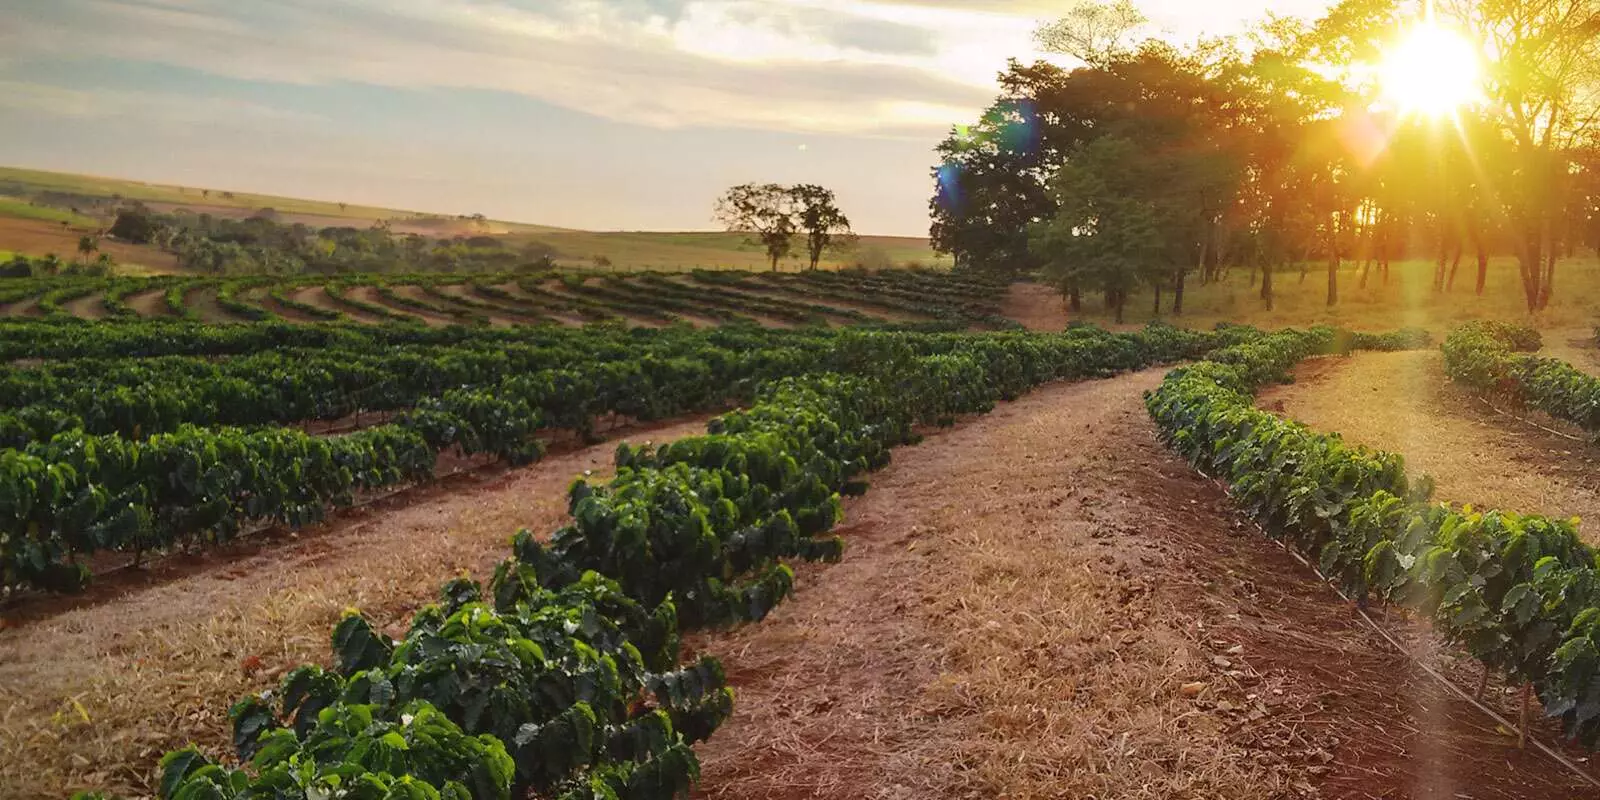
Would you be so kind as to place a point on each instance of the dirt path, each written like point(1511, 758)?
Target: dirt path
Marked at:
point(501, 316)
point(1020, 607)
point(152, 303)
point(260, 296)
point(27, 307)
point(203, 299)
point(1036, 306)
point(91, 697)
point(1575, 346)
point(1402, 402)
point(89, 306)
point(570, 319)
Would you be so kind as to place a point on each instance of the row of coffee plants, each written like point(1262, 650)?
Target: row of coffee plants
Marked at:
point(71, 493)
point(140, 397)
point(76, 493)
point(1495, 358)
point(561, 679)
point(957, 300)
point(1520, 593)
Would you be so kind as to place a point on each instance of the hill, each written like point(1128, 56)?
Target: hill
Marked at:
point(46, 212)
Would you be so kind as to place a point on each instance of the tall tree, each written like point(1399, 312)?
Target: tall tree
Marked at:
point(1104, 235)
point(765, 211)
point(818, 216)
point(1542, 88)
point(87, 246)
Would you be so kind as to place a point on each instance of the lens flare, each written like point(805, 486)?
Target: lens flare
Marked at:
point(1433, 71)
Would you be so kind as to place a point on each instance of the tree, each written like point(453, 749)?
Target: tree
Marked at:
point(1095, 33)
point(818, 215)
point(1105, 234)
point(134, 225)
point(765, 212)
point(1543, 94)
point(87, 246)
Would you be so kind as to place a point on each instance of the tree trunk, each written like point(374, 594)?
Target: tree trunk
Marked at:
point(1548, 285)
point(1455, 264)
point(1483, 259)
point(1266, 283)
point(1530, 263)
point(1333, 263)
point(1074, 297)
point(1177, 292)
point(1157, 311)
point(1118, 300)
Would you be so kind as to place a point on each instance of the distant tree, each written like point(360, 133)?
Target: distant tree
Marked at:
point(227, 195)
point(764, 211)
point(205, 192)
point(134, 225)
point(819, 217)
point(342, 206)
point(602, 261)
point(87, 246)
point(18, 267)
point(268, 214)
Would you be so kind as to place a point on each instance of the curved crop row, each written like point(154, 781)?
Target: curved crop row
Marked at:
point(561, 678)
point(1521, 593)
point(1494, 358)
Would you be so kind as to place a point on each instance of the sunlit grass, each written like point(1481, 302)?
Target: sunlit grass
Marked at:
point(12, 207)
point(1408, 300)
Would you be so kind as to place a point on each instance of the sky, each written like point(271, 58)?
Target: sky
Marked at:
point(595, 114)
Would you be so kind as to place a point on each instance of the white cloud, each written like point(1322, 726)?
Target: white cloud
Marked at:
point(164, 107)
point(815, 65)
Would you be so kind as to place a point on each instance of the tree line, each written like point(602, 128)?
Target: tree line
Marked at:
point(773, 214)
point(1147, 162)
point(261, 244)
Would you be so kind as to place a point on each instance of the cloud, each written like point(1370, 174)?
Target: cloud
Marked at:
point(171, 108)
point(810, 65)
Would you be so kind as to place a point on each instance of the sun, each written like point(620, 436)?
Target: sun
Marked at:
point(1432, 71)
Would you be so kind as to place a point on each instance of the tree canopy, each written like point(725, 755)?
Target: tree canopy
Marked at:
point(1127, 164)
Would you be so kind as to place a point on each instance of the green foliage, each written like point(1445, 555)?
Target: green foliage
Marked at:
point(1520, 593)
point(562, 678)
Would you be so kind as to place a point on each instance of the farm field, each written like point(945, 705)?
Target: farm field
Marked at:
point(505, 300)
point(33, 204)
point(1104, 595)
point(1232, 434)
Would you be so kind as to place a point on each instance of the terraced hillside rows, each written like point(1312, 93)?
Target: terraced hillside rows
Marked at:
point(653, 299)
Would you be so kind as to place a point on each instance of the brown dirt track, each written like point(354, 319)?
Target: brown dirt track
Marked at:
point(1023, 600)
point(1021, 604)
point(1403, 403)
point(154, 660)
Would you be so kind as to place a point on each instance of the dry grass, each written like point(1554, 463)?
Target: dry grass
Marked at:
point(91, 697)
point(1402, 402)
point(1407, 301)
point(987, 635)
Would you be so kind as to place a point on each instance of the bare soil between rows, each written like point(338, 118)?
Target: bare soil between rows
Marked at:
point(1403, 403)
point(1022, 603)
point(1040, 602)
point(91, 695)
